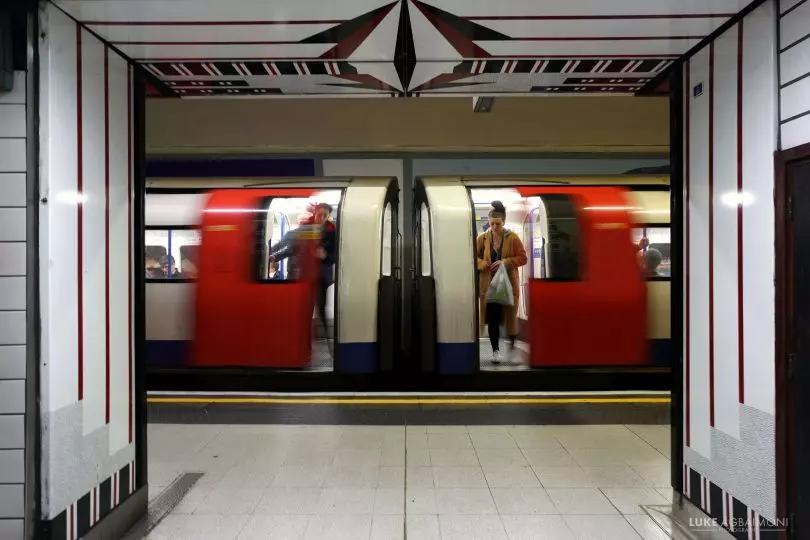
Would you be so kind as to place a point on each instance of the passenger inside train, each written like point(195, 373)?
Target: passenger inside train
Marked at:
point(495, 248)
point(504, 231)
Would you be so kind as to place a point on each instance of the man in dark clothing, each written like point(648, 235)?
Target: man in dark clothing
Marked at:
point(286, 248)
point(327, 251)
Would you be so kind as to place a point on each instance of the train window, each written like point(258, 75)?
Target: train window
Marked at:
point(655, 250)
point(561, 252)
point(171, 253)
point(386, 241)
point(424, 226)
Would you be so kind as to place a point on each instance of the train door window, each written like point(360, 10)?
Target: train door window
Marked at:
point(657, 238)
point(424, 226)
point(386, 242)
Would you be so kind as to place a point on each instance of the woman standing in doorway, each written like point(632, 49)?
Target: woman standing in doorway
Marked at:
point(495, 247)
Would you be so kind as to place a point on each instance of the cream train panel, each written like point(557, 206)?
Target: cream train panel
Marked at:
point(650, 206)
point(451, 216)
point(361, 220)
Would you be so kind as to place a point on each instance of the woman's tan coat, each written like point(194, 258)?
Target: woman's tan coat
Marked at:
point(513, 256)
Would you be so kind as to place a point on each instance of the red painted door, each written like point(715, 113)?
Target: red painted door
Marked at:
point(241, 319)
point(597, 314)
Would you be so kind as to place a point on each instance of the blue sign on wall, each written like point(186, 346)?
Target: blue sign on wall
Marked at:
point(697, 91)
point(537, 253)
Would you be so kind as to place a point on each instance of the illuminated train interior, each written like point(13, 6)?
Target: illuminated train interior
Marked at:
point(217, 297)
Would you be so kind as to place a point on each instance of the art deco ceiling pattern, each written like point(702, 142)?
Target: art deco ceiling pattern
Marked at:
point(242, 48)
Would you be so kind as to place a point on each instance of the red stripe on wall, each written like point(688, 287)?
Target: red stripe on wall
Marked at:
point(129, 241)
point(686, 181)
point(740, 174)
point(711, 234)
point(79, 208)
point(107, 233)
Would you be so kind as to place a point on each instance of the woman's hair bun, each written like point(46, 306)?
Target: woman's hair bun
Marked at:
point(498, 206)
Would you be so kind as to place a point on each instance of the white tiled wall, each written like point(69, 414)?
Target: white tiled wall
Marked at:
point(794, 61)
point(12, 307)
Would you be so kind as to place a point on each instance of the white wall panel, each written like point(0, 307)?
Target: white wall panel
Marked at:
point(795, 62)
point(12, 293)
point(793, 26)
point(785, 5)
point(120, 267)
point(699, 256)
point(759, 143)
point(12, 432)
point(796, 98)
point(59, 218)
point(12, 225)
point(794, 65)
point(12, 328)
point(257, 32)
point(12, 258)
point(12, 120)
point(12, 155)
point(94, 250)
point(12, 362)
point(796, 132)
point(724, 243)
point(12, 189)
point(17, 94)
point(470, 8)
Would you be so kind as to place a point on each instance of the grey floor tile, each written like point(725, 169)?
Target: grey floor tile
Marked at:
point(523, 501)
point(465, 501)
point(298, 501)
point(213, 527)
point(596, 527)
point(549, 457)
point(300, 476)
point(420, 501)
point(260, 527)
point(631, 500)
point(167, 527)
point(505, 477)
point(581, 501)
point(339, 527)
point(385, 527)
point(501, 457)
point(563, 477)
point(357, 457)
point(614, 476)
point(230, 501)
point(536, 528)
point(492, 440)
point(341, 476)
point(646, 527)
point(449, 440)
point(453, 457)
point(422, 527)
point(347, 501)
point(419, 457)
point(472, 528)
point(391, 477)
point(459, 477)
point(389, 501)
point(420, 477)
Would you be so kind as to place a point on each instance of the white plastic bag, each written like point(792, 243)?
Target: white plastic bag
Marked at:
point(500, 288)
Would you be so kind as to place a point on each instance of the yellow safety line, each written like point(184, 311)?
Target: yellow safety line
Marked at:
point(406, 401)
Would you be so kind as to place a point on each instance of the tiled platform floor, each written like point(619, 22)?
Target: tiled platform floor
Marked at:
point(436, 482)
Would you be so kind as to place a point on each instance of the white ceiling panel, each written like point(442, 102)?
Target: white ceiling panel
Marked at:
point(587, 8)
point(262, 48)
point(158, 34)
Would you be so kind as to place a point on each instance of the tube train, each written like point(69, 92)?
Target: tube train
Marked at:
point(216, 296)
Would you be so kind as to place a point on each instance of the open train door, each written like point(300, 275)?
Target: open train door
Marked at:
point(244, 317)
point(589, 309)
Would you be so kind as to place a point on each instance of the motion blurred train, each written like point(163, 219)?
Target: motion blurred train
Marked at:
point(215, 299)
